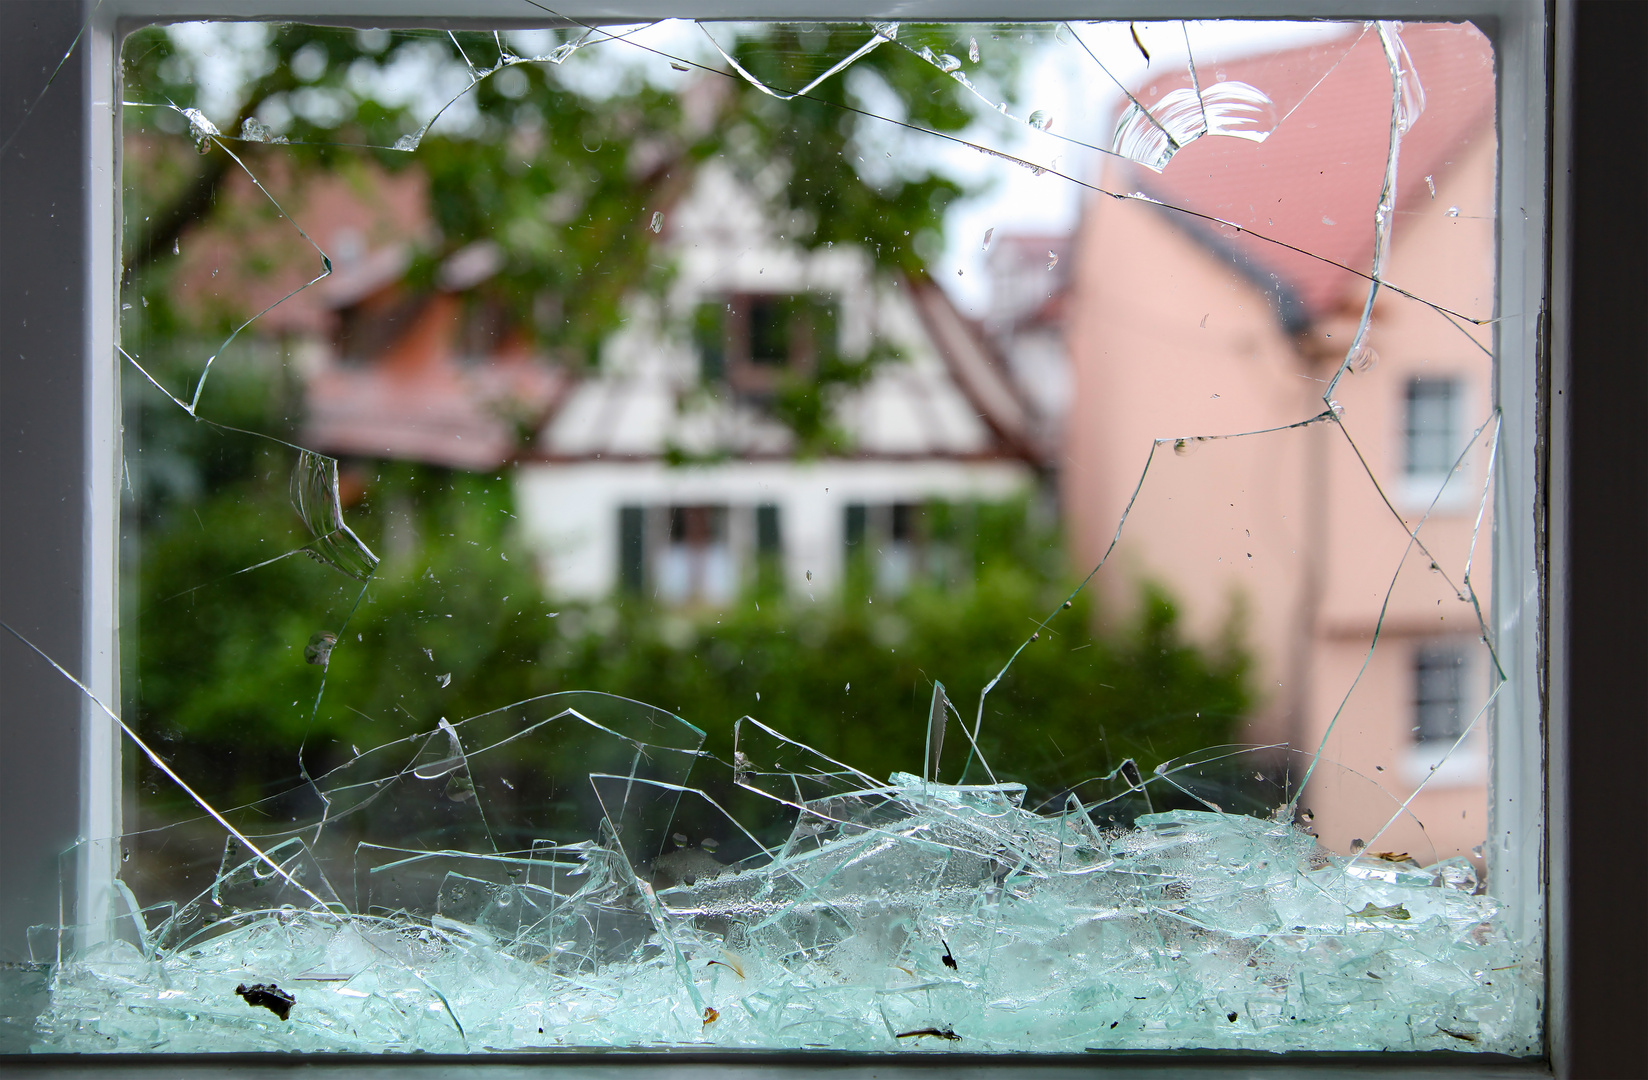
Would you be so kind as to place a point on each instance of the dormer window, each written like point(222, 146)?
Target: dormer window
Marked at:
point(748, 340)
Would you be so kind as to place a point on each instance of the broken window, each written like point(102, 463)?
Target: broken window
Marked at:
point(879, 537)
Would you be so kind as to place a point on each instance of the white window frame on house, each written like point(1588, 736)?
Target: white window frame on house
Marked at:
point(1561, 508)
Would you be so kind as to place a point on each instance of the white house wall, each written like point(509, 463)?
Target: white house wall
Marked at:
point(569, 511)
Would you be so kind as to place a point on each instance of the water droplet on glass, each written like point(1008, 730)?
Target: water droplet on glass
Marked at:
point(1453, 211)
point(679, 838)
point(1052, 259)
point(709, 843)
point(1041, 120)
point(988, 233)
point(444, 680)
point(657, 221)
point(1430, 182)
point(1362, 359)
point(319, 649)
point(460, 788)
point(972, 49)
point(408, 142)
point(947, 63)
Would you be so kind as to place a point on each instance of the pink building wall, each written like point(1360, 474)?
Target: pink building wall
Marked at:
point(1285, 531)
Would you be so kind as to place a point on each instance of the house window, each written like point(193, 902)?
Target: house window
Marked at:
point(700, 554)
point(886, 546)
point(1432, 438)
point(1439, 712)
point(1432, 426)
point(696, 564)
point(749, 340)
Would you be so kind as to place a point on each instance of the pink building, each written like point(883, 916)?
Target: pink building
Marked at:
point(1181, 326)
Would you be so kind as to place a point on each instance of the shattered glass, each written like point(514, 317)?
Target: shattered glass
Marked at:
point(544, 350)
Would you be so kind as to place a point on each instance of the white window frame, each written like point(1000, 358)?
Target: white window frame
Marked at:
point(60, 451)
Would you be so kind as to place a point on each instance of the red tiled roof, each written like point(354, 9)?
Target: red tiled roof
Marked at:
point(1315, 182)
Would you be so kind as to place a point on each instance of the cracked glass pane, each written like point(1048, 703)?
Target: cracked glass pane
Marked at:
point(885, 537)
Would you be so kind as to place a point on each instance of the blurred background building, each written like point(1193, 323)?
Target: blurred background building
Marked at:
point(679, 467)
point(1179, 324)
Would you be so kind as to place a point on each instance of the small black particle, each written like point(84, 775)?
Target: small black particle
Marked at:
point(1231, 1017)
point(1146, 52)
point(947, 959)
point(1113, 1023)
point(269, 996)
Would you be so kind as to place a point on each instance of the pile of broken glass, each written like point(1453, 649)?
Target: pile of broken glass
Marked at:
point(411, 903)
